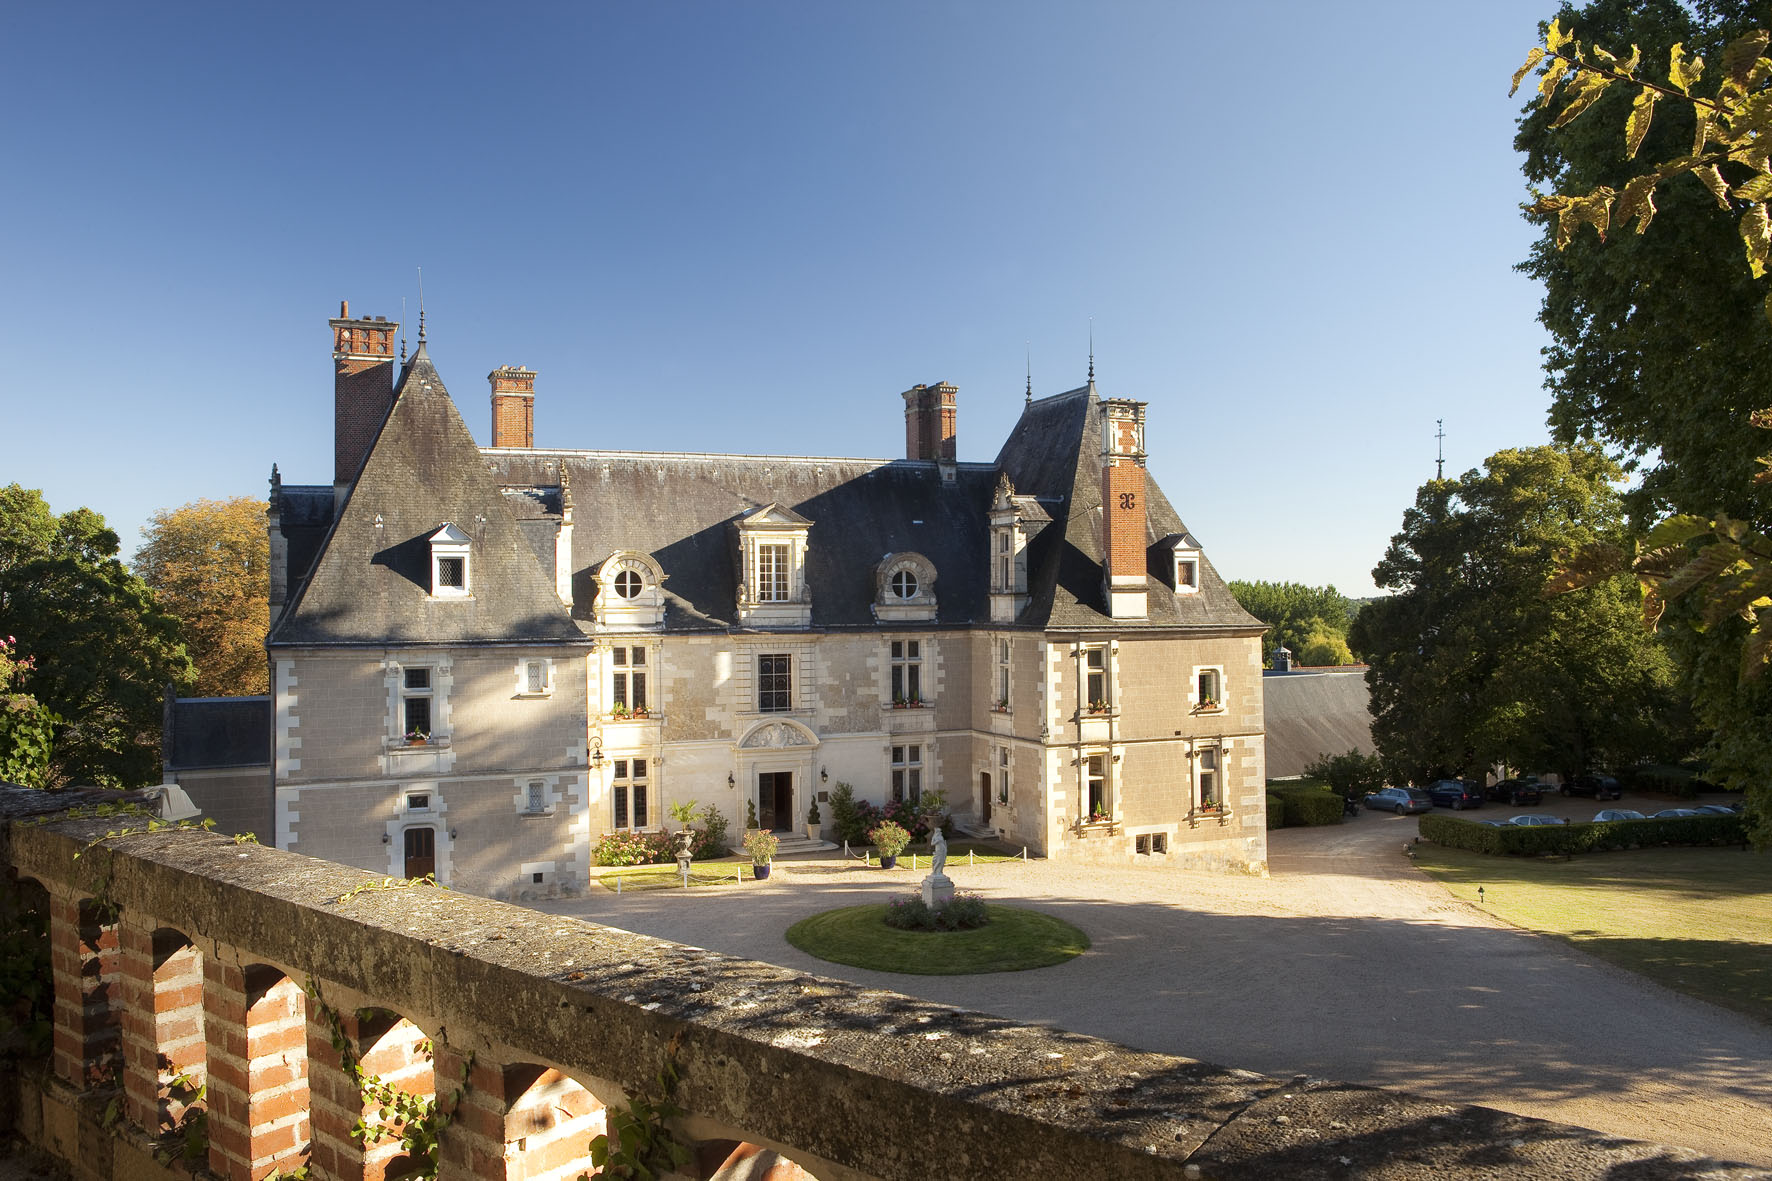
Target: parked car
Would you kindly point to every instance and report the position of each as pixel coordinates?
(1717, 810)
(1618, 814)
(1455, 794)
(1600, 787)
(1401, 800)
(1669, 813)
(1532, 819)
(1516, 791)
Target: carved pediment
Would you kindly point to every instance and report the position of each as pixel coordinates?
(776, 734)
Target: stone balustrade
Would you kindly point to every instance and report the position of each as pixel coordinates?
(293, 990)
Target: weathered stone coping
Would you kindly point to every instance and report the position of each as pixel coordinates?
(853, 1082)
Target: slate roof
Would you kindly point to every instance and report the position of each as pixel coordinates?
(371, 584)
(217, 732)
(1310, 714)
(1054, 453)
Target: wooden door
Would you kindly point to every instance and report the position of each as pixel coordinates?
(984, 811)
(421, 852)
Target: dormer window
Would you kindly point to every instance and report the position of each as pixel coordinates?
(904, 588)
(1185, 555)
(450, 569)
(630, 592)
(772, 589)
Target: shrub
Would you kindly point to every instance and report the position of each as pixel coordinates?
(622, 848)
(1276, 811)
(1307, 807)
(960, 913)
(889, 837)
(1351, 775)
(849, 816)
(1567, 839)
(710, 839)
(761, 845)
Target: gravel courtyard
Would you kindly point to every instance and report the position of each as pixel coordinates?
(1347, 963)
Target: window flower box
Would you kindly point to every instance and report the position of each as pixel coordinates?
(907, 703)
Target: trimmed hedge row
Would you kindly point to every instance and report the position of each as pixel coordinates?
(1305, 807)
(1591, 837)
(1276, 812)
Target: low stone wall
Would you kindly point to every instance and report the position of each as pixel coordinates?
(531, 1031)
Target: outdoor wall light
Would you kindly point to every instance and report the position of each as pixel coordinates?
(730, 781)
(452, 834)
(824, 776)
(386, 839)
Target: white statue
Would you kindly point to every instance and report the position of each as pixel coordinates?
(938, 860)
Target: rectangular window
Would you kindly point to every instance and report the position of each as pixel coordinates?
(415, 703)
(1210, 687)
(630, 793)
(1141, 844)
(907, 773)
(452, 573)
(418, 802)
(772, 573)
(1095, 679)
(1187, 574)
(1097, 787)
(535, 677)
(1209, 777)
(907, 672)
(1002, 674)
(1002, 775)
(627, 690)
(538, 798)
(1003, 581)
(775, 684)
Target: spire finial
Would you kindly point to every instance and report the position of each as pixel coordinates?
(1440, 434)
(1030, 397)
(421, 305)
(1091, 350)
(402, 330)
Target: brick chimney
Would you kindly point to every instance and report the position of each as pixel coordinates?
(513, 406)
(362, 390)
(929, 416)
(1123, 532)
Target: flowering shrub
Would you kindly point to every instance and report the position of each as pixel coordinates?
(962, 912)
(889, 838)
(26, 726)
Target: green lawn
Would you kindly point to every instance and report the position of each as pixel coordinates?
(669, 877)
(959, 853)
(1012, 941)
(1698, 921)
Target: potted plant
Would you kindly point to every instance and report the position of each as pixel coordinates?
(813, 819)
(890, 838)
(618, 710)
(1098, 707)
(761, 846)
(640, 711)
(1098, 816)
(1002, 705)
(417, 737)
(683, 813)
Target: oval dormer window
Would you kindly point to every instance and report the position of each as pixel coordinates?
(904, 584)
(628, 584)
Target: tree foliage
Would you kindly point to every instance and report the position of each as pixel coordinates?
(1474, 664)
(99, 648)
(1310, 621)
(208, 562)
(27, 728)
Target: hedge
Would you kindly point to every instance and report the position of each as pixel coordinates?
(1562, 839)
(1276, 812)
(1309, 806)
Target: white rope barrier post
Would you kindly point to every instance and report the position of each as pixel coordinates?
(618, 883)
(1024, 852)
(971, 857)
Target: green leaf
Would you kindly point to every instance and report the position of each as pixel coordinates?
(1756, 235)
(1754, 188)
(1553, 77)
(1741, 54)
(1683, 72)
(1533, 58)
(1555, 38)
(1713, 180)
(1756, 653)
(1709, 562)
(1636, 124)
(1637, 201)
(1677, 530)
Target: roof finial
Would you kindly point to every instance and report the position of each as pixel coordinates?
(1440, 463)
(1091, 348)
(1030, 398)
(402, 330)
(421, 305)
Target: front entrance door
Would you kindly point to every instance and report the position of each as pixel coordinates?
(984, 811)
(775, 801)
(421, 852)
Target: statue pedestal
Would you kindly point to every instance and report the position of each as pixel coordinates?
(938, 889)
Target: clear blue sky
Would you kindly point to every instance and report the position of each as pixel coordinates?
(749, 226)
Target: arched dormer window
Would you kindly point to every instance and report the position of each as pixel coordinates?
(630, 592)
(451, 570)
(904, 587)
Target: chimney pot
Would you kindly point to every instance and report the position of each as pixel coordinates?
(344, 309)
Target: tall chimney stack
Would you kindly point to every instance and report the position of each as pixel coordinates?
(362, 390)
(513, 406)
(930, 421)
(1123, 532)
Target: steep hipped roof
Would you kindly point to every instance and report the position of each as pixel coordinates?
(371, 584)
(201, 732)
(1309, 715)
(683, 510)
(1054, 453)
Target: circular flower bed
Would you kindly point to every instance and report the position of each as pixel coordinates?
(1011, 941)
(962, 912)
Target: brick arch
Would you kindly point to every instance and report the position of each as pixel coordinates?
(536, 1119)
(165, 1056)
(255, 1033)
(387, 1050)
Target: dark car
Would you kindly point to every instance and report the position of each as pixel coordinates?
(1400, 800)
(1600, 787)
(1516, 791)
(1672, 813)
(1717, 810)
(1455, 794)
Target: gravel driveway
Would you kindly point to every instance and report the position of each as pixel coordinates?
(1347, 963)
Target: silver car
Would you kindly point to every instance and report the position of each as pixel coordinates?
(1618, 814)
(1534, 818)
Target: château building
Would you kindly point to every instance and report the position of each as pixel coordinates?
(483, 659)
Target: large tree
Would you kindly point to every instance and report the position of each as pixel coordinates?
(208, 562)
(1473, 664)
(1310, 621)
(99, 647)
